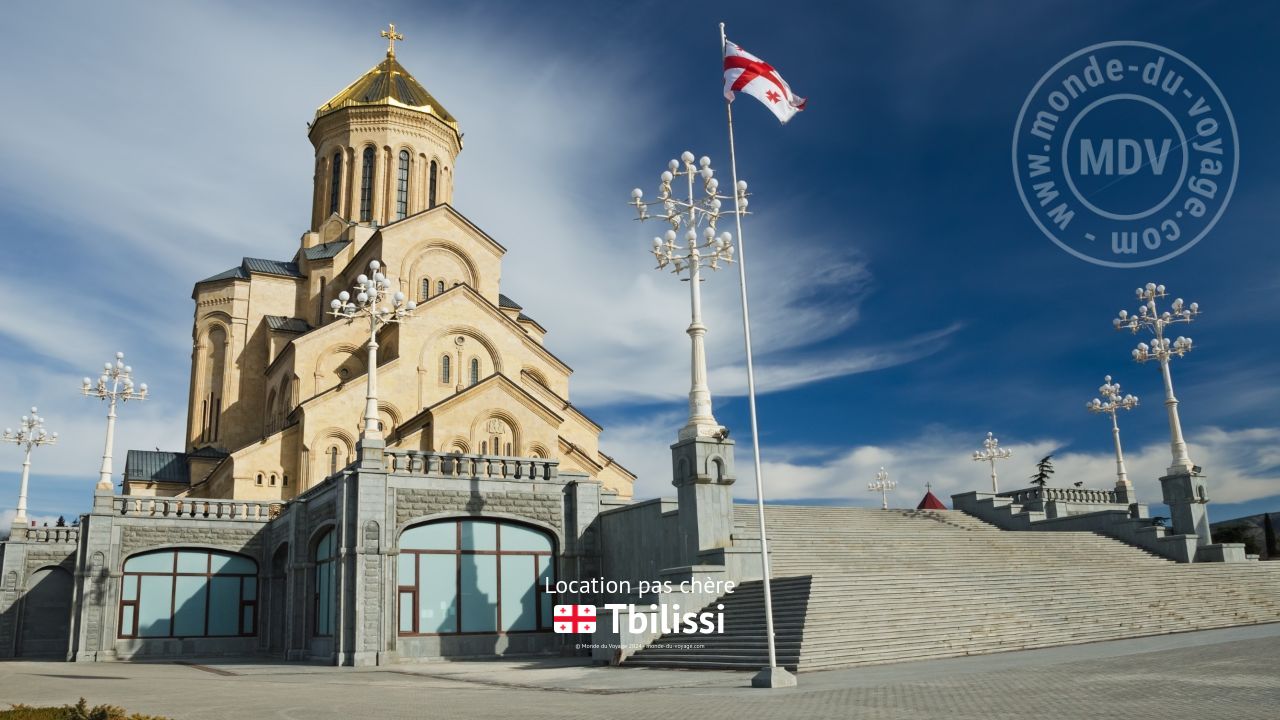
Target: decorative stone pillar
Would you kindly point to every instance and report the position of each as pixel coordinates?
(1187, 497)
(703, 475)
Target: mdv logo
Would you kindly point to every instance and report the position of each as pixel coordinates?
(1123, 156)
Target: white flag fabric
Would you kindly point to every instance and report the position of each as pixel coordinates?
(744, 72)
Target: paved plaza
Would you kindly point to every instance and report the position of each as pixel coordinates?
(1229, 673)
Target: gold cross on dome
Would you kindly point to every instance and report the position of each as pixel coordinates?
(392, 36)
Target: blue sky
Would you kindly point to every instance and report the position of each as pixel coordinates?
(904, 301)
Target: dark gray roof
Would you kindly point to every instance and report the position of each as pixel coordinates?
(271, 267)
(207, 451)
(525, 318)
(506, 302)
(235, 273)
(156, 466)
(287, 324)
(324, 251)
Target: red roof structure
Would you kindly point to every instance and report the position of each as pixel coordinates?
(931, 502)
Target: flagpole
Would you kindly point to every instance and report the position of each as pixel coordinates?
(772, 676)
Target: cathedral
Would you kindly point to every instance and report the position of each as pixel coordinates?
(278, 384)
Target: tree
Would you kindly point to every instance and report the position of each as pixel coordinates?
(1044, 469)
(1272, 551)
(62, 522)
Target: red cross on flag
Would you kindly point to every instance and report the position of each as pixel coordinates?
(569, 619)
(744, 72)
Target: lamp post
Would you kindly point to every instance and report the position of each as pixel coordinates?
(30, 433)
(1111, 402)
(114, 384)
(371, 293)
(703, 247)
(883, 485)
(1161, 350)
(991, 452)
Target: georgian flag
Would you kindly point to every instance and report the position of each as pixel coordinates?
(744, 72)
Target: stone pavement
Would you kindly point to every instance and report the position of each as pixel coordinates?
(1225, 674)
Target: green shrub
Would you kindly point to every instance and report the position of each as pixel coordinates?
(79, 711)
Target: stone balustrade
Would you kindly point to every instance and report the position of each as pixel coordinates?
(1083, 496)
(70, 535)
(170, 507)
(485, 467)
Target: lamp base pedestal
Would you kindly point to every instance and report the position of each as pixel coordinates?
(773, 677)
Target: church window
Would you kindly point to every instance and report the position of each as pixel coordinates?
(366, 186)
(508, 452)
(484, 447)
(439, 286)
(323, 557)
(431, 185)
(273, 479)
(188, 593)
(444, 369)
(402, 186)
(284, 480)
(426, 290)
(474, 576)
(333, 460)
(335, 183)
(259, 479)
(215, 364)
(475, 371)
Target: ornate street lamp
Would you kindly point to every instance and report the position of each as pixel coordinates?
(991, 452)
(697, 214)
(883, 485)
(1111, 402)
(371, 294)
(115, 383)
(31, 433)
(1161, 349)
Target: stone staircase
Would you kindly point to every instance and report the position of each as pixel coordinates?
(858, 586)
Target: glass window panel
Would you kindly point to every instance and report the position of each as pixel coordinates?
(126, 620)
(246, 625)
(436, 536)
(479, 593)
(404, 568)
(189, 598)
(479, 535)
(324, 589)
(250, 588)
(521, 538)
(438, 594)
(238, 564)
(519, 599)
(151, 562)
(130, 587)
(193, 562)
(546, 579)
(154, 598)
(406, 612)
(224, 605)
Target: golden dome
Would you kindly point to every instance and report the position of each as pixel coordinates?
(388, 83)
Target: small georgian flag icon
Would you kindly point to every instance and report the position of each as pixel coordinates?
(570, 619)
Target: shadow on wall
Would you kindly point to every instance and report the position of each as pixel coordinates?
(43, 615)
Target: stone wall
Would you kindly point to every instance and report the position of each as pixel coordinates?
(142, 536)
(542, 506)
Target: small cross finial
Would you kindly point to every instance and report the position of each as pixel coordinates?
(392, 36)
(928, 487)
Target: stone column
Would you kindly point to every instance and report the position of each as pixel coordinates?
(93, 627)
(366, 636)
(1187, 497)
(703, 475)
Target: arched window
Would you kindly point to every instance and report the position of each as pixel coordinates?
(335, 182)
(508, 452)
(215, 362)
(475, 371)
(333, 460)
(444, 369)
(402, 186)
(426, 290)
(323, 559)
(259, 479)
(474, 576)
(431, 185)
(439, 286)
(366, 186)
(273, 479)
(284, 481)
(188, 593)
(484, 447)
